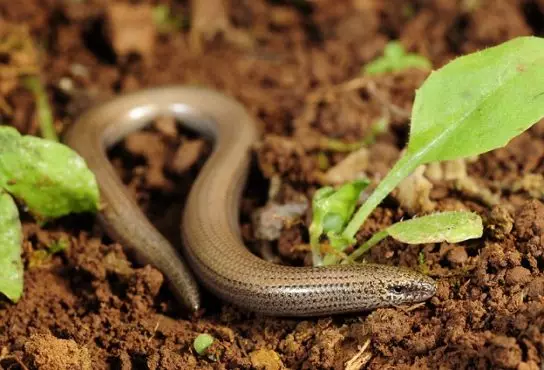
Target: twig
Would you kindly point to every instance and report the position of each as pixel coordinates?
(360, 358)
(154, 331)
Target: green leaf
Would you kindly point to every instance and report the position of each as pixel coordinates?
(474, 104)
(202, 342)
(396, 59)
(452, 227)
(11, 238)
(331, 211)
(50, 178)
(58, 246)
(479, 102)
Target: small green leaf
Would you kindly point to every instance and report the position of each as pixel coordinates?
(202, 342)
(378, 127)
(396, 59)
(331, 211)
(58, 246)
(11, 238)
(50, 178)
(472, 105)
(452, 227)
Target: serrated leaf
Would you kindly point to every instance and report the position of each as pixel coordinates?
(11, 264)
(452, 227)
(479, 102)
(48, 177)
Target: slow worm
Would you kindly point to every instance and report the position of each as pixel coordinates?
(212, 243)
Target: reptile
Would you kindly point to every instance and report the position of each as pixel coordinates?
(213, 251)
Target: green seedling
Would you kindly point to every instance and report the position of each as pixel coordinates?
(58, 246)
(332, 209)
(452, 227)
(396, 59)
(422, 263)
(42, 256)
(474, 104)
(202, 342)
(377, 128)
(45, 117)
(50, 180)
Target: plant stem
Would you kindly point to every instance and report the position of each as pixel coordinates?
(317, 260)
(45, 117)
(404, 166)
(376, 238)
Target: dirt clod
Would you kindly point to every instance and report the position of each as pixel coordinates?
(505, 352)
(187, 155)
(266, 359)
(44, 351)
(518, 275)
(457, 255)
(131, 29)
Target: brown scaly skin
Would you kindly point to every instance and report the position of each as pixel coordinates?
(213, 246)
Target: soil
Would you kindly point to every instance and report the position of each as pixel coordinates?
(90, 306)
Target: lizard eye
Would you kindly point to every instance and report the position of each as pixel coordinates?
(396, 289)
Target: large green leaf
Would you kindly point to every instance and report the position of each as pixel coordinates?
(11, 265)
(479, 102)
(50, 178)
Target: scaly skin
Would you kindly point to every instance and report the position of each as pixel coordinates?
(210, 231)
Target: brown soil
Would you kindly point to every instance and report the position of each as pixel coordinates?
(90, 307)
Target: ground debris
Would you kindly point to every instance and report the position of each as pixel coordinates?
(20, 58)
(131, 29)
(187, 155)
(269, 221)
(47, 352)
(413, 193)
(266, 359)
(350, 168)
(209, 18)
